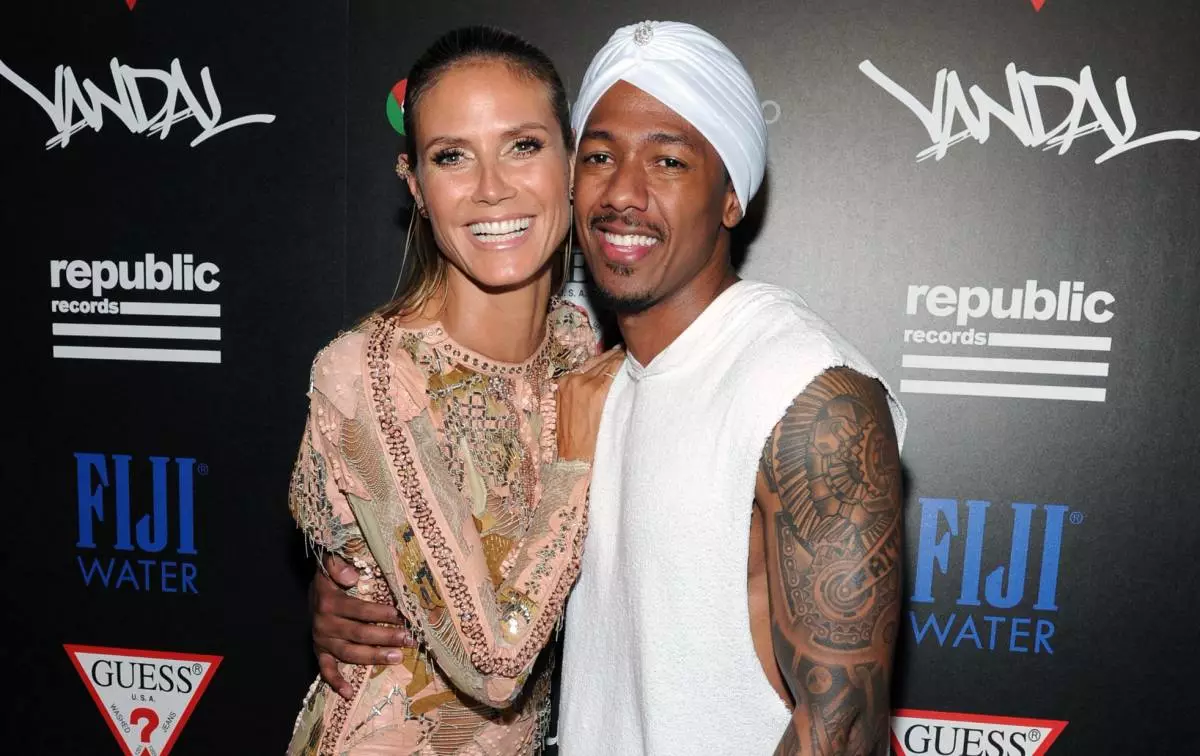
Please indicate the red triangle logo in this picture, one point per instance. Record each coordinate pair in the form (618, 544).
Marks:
(919, 732)
(1037, 4)
(132, 3)
(145, 696)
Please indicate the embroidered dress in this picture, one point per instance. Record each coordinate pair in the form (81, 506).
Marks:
(433, 469)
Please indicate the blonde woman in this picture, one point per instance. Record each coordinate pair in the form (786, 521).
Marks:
(447, 452)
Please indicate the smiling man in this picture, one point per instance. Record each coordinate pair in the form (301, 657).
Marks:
(739, 590)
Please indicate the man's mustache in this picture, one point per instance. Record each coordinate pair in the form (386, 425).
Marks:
(632, 220)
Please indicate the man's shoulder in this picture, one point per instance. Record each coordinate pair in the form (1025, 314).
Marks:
(788, 347)
(780, 326)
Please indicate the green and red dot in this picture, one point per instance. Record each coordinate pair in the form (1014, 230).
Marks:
(395, 106)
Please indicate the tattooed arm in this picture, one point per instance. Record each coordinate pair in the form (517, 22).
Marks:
(829, 494)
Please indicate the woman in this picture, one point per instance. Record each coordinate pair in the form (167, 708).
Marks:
(437, 456)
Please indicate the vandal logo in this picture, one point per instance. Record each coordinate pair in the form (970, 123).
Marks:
(145, 696)
(107, 505)
(1023, 117)
(80, 105)
(178, 273)
(937, 733)
(999, 611)
(1066, 306)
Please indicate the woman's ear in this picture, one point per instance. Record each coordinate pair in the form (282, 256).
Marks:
(404, 170)
(415, 189)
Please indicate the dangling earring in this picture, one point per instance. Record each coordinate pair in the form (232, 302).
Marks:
(569, 252)
(404, 171)
(408, 238)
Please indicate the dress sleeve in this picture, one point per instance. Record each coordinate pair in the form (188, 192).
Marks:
(486, 638)
(316, 496)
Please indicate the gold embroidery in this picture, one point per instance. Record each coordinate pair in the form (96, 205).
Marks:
(416, 571)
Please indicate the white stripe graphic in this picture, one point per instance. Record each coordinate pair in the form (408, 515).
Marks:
(1004, 365)
(105, 330)
(137, 355)
(171, 308)
(1003, 390)
(1040, 341)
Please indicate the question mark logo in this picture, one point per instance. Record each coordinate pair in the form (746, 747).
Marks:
(151, 718)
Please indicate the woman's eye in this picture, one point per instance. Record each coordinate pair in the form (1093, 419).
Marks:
(527, 146)
(448, 157)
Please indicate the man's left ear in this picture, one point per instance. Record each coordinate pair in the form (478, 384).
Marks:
(732, 214)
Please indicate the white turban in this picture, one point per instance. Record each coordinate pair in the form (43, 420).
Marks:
(691, 72)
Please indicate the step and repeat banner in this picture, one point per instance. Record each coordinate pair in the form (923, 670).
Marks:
(997, 200)
(174, 231)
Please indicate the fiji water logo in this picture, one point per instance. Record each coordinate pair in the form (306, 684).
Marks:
(152, 552)
(1009, 608)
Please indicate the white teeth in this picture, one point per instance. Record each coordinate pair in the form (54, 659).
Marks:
(500, 228)
(629, 240)
(495, 238)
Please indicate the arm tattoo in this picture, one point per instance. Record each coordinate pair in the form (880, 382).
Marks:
(831, 473)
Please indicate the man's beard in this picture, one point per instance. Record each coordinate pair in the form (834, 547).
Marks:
(619, 304)
(626, 304)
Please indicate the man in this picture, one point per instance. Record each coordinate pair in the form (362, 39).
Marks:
(739, 592)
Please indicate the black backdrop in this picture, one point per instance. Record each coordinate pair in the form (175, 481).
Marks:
(1093, 492)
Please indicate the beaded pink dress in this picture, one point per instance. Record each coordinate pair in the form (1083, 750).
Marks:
(434, 470)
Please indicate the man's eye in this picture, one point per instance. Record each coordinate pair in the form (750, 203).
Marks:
(597, 159)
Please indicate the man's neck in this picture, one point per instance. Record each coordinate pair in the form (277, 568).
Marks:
(649, 332)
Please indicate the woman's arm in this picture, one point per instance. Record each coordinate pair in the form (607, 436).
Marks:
(378, 478)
